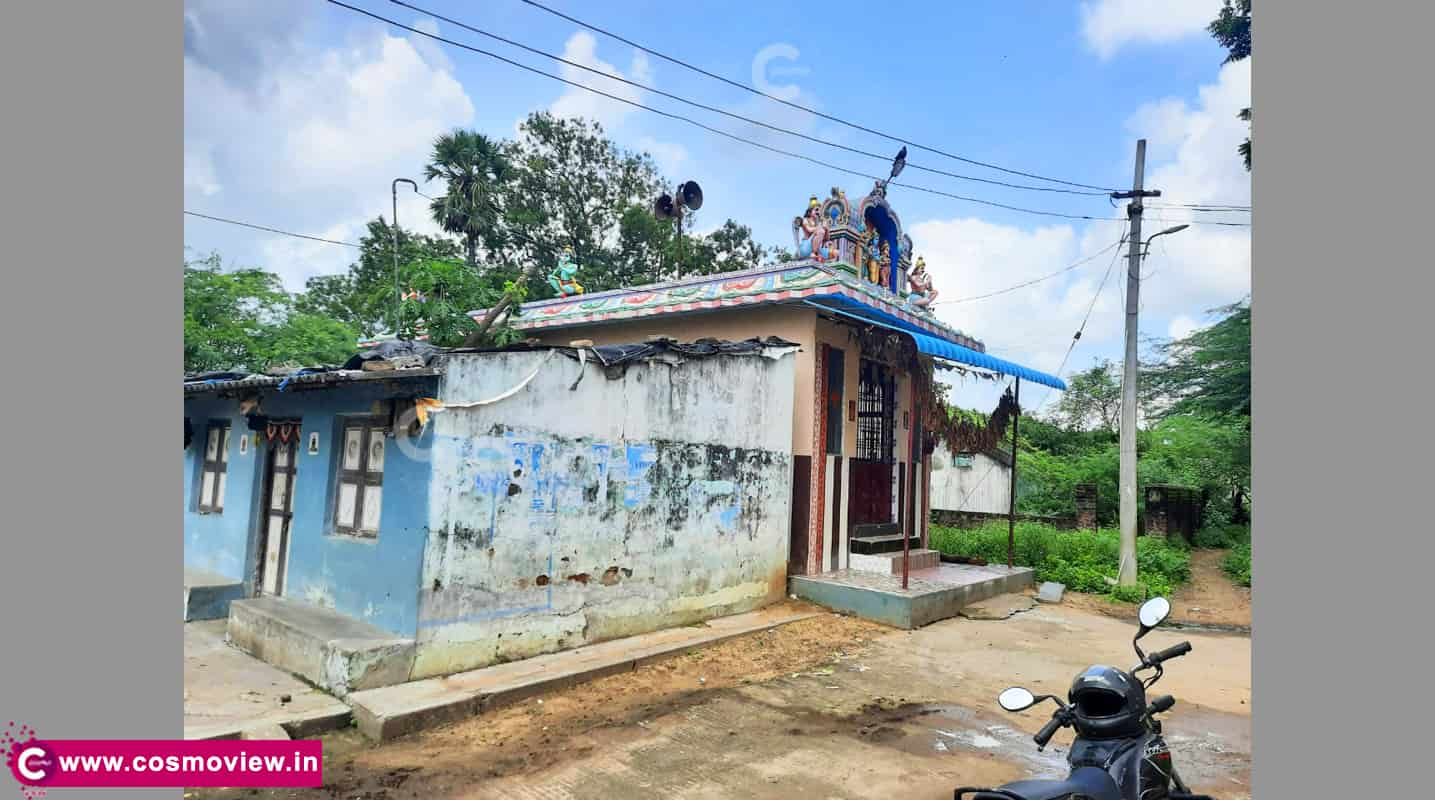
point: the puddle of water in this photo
(1211, 748)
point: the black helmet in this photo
(1107, 703)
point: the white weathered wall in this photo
(951, 483)
(562, 516)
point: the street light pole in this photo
(398, 291)
(1126, 567)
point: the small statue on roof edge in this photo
(563, 279)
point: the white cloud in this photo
(669, 156)
(1192, 159)
(1181, 326)
(582, 48)
(312, 143)
(1109, 25)
(431, 49)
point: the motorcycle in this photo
(1119, 752)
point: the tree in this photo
(1207, 372)
(1232, 29)
(439, 296)
(476, 172)
(306, 340)
(571, 188)
(364, 297)
(1092, 399)
(227, 315)
(243, 319)
(734, 248)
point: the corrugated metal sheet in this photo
(933, 346)
(310, 380)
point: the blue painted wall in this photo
(375, 580)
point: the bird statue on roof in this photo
(898, 163)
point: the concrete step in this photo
(386, 713)
(337, 653)
(891, 563)
(885, 543)
(931, 595)
(207, 595)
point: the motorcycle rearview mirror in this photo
(1154, 612)
(1016, 699)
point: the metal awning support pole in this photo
(1011, 501)
(912, 460)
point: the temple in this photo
(857, 303)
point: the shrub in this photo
(1081, 560)
(1220, 537)
(1237, 563)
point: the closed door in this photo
(278, 511)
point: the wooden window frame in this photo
(363, 479)
(218, 466)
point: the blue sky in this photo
(298, 114)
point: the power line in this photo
(1034, 281)
(268, 229)
(740, 117)
(717, 131)
(1200, 206)
(271, 230)
(800, 107)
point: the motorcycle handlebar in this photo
(1169, 653)
(1049, 730)
(1162, 703)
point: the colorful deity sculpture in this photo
(814, 232)
(563, 278)
(922, 293)
(872, 260)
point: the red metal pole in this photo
(1011, 501)
(911, 461)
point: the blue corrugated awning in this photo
(933, 346)
(938, 348)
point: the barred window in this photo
(876, 413)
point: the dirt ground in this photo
(832, 707)
(1209, 599)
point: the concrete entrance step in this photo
(207, 595)
(891, 563)
(931, 594)
(383, 714)
(885, 543)
(337, 653)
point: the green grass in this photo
(1081, 560)
(1237, 563)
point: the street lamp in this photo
(1173, 229)
(398, 292)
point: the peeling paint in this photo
(601, 510)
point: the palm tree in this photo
(474, 169)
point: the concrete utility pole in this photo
(1126, 572)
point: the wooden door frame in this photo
(266, 511)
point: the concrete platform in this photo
(207, 595)
(386, 713)
(932, 594)
(891, 563)
(229, 694)
(337, 653)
